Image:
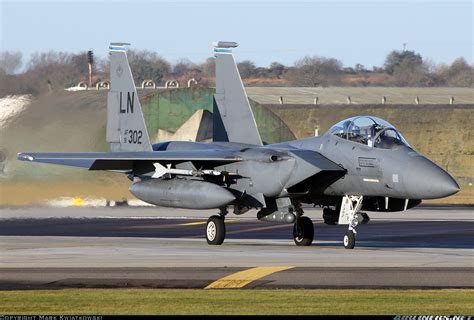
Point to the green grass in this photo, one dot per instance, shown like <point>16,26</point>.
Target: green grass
<point>250,302</point>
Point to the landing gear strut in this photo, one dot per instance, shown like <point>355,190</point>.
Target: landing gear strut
<point>215,229</point>
<point>350,206</point>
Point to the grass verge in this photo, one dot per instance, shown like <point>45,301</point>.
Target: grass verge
<point>237,302</point>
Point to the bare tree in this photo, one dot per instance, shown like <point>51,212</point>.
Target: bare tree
<point>42,59</point>
<point>53,70</point>
<point>458,74</point>
<point>247,69</point>
<point>315,71</point>
<point>407,68</point>
<point>10,62</point>
<point>410,74</point>
<point>182,67</point>
<point>276,69</point>
<point>208,67</point>
<point>148,65</point>
<point>56,70</point>
<point>395,59</point>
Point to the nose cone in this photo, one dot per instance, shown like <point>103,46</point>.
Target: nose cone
<point>427,180</point>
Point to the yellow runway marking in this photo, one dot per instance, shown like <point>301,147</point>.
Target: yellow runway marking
<point>242,278</point>
<point>201,222</point>
<point>78,202</point>
<point>192,223</point>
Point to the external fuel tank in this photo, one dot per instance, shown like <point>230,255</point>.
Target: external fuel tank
<point>182,193</point>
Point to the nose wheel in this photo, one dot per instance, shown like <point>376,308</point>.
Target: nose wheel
<point>349,240</point>
<point>215,230</point>
<point>303,231</point>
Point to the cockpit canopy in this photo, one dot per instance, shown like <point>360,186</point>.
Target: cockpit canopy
<point>368,130</point>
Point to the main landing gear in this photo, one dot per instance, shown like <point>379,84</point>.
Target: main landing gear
<point>303,231</point>
<point>215,228</point>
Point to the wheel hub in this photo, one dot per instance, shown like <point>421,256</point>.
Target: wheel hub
<point>299,233</point>
<point>211,230</point>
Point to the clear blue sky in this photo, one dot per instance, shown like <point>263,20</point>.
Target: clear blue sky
<point>352,31</point>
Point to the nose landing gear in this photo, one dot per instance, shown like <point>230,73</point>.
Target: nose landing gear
<point>350,206</point>
<point>349,239</point>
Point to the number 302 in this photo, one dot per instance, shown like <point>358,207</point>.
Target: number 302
<point>135,136</point>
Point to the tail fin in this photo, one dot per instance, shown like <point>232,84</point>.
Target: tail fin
<point>126,128</point>
<point>233,117</point>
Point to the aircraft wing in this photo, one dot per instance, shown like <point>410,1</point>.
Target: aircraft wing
<point>124,161</point>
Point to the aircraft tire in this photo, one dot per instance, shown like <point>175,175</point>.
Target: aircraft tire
<point>349,240</point>
<point>303,231</point>
<point>215,230</point>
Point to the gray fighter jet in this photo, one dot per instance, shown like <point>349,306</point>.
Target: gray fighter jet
<point>361,163</point>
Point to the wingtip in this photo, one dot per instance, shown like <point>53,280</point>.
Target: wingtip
<point>24,157</point>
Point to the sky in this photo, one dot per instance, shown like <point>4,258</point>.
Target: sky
<point>284,31</point>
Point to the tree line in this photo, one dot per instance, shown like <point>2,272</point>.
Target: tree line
<point>53,70</point>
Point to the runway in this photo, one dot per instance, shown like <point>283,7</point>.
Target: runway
<point>157,247</point>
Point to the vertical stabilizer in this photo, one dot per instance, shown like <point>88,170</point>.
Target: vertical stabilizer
<point>126,128</point>
<point>233,117</point>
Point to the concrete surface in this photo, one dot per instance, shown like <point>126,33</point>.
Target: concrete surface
<point>131,247</point>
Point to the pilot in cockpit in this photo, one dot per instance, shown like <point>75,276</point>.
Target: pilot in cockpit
<point>374,130</point>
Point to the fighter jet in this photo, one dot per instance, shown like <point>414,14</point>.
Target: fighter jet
<point>361,164</point>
